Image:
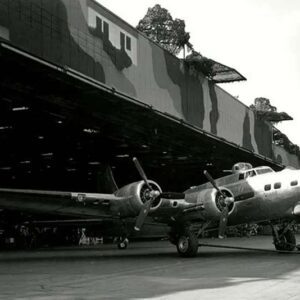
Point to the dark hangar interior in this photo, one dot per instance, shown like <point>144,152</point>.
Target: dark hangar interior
<point>59,130</point>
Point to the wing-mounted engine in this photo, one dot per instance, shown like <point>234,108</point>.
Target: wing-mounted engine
<point>214,202</point>
<point>134,196</point>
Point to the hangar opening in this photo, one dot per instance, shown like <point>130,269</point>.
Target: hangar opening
<point>60,129</point>
<point>81,90</point>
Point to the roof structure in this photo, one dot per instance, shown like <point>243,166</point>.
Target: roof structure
<point>212,69</point>
<point>273,116</point>
<point>53,138</point>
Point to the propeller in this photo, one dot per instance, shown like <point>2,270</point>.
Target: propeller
<point>152,196</point>
<point>211,180</point>
<point>223,222</point>
<point>141,172</point>
<point>225,202</point>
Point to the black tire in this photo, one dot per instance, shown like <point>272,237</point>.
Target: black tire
<point>287,241</point>
<point>187,244</point>
<point>123,244</point>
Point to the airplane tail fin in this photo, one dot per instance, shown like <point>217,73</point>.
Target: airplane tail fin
<point>106,182</point>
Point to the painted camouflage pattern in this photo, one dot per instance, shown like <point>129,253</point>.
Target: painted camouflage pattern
<point>83,35</point>
<point>285,158</point>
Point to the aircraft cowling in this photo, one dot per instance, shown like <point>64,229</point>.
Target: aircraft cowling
<point>135,194</point>
<point>212,202</point>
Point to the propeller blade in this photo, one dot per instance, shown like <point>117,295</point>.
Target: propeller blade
<point>225,211</point>
<point>211,180</point>
<point>223,222</point>
<point>146,207</point>
<point>142,215</point>
<point>145,210</point>
<point>141,172</point>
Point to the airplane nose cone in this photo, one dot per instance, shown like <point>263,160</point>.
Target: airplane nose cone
<point>229,200</point>
<point>296,211</point>
<point>154,194</point>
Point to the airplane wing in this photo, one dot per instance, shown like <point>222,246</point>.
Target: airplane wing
<point>126,202</point>
<point>59,203</point>
<point>135,200</point>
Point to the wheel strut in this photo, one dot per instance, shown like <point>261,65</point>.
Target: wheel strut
<point>284,238</point>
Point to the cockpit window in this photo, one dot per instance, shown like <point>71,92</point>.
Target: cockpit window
<point>250,173</point>
<point>247,174</point>
<point>254,172</point>
<point>264,170</point>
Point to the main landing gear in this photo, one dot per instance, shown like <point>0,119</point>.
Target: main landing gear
<point>284,238</point>
<point>186,242</point>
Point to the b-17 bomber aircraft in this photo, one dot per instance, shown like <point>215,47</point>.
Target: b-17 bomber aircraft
<point>248,195</point>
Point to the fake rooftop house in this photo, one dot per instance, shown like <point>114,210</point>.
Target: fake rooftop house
<point>117,42</point>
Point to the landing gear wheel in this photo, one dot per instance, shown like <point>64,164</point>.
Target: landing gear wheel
<point>123,243</point>
<point>287,241</point>
<point>187,245</point>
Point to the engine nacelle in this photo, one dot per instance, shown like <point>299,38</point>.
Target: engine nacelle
<point>135,194</point>
<point>213,202</point>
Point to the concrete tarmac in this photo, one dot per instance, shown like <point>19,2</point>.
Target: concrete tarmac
<point>152,270</point>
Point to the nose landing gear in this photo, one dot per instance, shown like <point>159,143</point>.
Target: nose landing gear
<point>122,243</point>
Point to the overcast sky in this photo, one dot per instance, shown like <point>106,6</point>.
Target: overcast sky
<point>259,38</point>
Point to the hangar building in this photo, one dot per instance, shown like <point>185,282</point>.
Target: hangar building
<point>81,89</point>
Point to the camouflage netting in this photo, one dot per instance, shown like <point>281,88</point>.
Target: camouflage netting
<point>215,71</point>
<point>280,139</point>
<point>274,116</point>
<point>263,108</point>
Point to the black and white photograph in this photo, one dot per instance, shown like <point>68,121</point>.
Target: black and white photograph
<point>149,149</point>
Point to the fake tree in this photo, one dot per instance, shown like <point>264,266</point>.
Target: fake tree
<point>169,33</point>
<point>263,108</point>
<point>262,104</point>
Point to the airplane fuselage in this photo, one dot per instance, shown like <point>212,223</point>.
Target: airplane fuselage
<point>266,197</point>
<point>269,196</point>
